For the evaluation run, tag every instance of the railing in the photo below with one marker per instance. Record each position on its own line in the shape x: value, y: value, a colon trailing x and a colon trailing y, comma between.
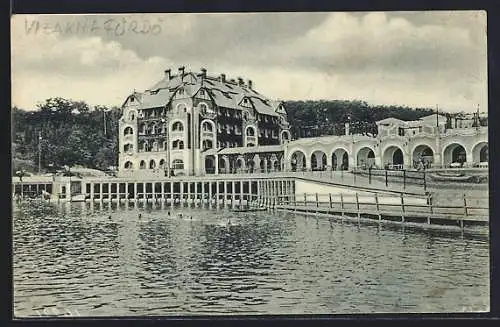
x: 379, y: 206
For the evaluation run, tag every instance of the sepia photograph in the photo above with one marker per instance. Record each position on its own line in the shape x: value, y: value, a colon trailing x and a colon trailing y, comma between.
x: 236, y: 164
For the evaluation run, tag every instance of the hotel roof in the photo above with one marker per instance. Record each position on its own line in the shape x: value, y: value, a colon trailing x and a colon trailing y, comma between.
x: 225, y: 93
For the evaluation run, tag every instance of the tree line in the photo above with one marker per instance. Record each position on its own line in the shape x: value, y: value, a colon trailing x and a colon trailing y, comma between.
x: 73, y: 133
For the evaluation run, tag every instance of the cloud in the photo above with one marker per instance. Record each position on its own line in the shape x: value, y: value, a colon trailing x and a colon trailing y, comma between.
x: 419, y: 59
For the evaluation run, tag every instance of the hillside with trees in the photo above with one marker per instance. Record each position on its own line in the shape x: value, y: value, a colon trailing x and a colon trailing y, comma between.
x: 73, y: 133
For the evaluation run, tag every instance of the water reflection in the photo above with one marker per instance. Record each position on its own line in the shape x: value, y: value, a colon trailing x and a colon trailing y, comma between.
x: 137, y: 259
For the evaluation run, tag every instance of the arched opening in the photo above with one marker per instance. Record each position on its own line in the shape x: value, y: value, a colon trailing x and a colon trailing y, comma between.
x: 207, y: 144
x: 239, y: 164
x: 365, y: 158
x: 162, y: 164
x: 318, y: 160
x: 222, y: 165
x: 207, y: 127
x: 152, y: 164
x: 276, y: 165
x: 142, y: 165
x: 423, y: 157
x: 250, y: 131
x: 210, y: 164
x: 454, y: 154
x: 393, y: 158
x: 128, y: 165
x: 177, y: 127
x: 269, y: 165
x: 285, y: 136
x: 340, y: 160
x: 480, y: 153
x: 251, y: 166
x: 128, y: 131
x: 128, y: 148
x: 298, y: 161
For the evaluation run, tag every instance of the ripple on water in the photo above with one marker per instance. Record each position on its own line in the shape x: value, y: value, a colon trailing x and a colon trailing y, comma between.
x: 261, y: 264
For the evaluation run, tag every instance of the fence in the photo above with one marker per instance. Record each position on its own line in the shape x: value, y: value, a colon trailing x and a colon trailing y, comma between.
x: 404, y: 208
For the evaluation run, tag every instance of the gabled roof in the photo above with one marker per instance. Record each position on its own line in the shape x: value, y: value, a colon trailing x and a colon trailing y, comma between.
x: 390, y: 121
x: 156, y: 100
x: 225, y: 94
x: 433, y: 118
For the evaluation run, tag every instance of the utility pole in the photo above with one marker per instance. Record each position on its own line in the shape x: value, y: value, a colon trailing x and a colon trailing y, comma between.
x: 39, y: 152
x: 104, y: 120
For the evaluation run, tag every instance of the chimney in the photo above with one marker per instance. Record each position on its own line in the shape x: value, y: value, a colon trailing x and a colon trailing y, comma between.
x: 232, y: 80
x: 223, y: 78
x: 250, y: 84
x: 181, y: 70
x: 167, y: 73
x: 240, y: 81
x: 203, y: 72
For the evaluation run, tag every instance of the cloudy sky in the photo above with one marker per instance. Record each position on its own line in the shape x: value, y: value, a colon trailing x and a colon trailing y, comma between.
x: 417, y: 59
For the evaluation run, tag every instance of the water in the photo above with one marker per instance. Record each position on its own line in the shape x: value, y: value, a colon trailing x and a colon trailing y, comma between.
x: 76, y: 260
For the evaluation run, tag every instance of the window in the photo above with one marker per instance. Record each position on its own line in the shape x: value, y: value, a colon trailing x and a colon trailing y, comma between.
x: 142, y: 165
x: 207, y: 127
x: 207, y: 144
x: 178, y: 145
x: 152, y: 164
x: 181, y: 91
x: 401, y: 131
x: 177, y: 126
x: 177, y: 164
x: 128, y: 131
x: 250, y: 131
x: 128, y: 147
x: 131, y: 115
x: 420, y: 129
x: 202, y: 93
x: 128, y: 165
x: 162, y: 163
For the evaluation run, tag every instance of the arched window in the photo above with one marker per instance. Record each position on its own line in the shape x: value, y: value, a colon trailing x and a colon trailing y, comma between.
x: 128, y: 131
x: 177, y: 164
x: 177, y: 127
x: 207, y: 144
x: 128, y: 165
x: 178, y: 145
x: 128, y: 147
x: 152, y: 164
x: 207, y: 127
x: 131, y: 115
x: 250, y: 131
x: 162, y: 163
x: 155, y: 146
x: 142, y: 165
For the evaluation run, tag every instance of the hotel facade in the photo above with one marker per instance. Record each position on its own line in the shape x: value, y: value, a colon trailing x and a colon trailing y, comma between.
x: 194, y: 124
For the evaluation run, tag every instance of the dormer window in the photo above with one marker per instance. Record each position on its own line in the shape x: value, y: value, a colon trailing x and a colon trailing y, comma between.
x: 181, y: 91
x: 202, y: 93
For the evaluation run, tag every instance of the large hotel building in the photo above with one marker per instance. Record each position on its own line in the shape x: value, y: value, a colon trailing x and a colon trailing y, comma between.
x: 187, y: 120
